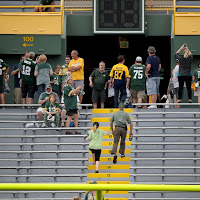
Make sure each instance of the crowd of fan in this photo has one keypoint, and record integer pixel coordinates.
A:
(66, 84)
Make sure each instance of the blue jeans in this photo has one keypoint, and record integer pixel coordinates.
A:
(152, 85)
(41, 89)
(116, 97)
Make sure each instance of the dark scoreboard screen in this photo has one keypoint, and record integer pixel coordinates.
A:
(118, 16)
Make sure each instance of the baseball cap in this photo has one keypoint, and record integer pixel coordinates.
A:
(151, 49)
(48, 86)
(121, 105)
(93, 182)
(139, 59)
(67, 78)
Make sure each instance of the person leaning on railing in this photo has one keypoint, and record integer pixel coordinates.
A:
(45, 9)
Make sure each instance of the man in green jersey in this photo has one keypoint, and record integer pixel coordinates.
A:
(121, 120)
(98, 81)
(45, 9)
(27, 68)
(137, 78)
(70, 100)
(2, 76)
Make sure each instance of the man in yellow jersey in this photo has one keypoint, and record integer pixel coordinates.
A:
(64, 68)
(118, 76)
(76, 67)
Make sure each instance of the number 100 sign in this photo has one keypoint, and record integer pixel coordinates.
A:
(118, 16)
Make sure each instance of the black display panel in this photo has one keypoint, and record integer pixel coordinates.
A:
(118, 16)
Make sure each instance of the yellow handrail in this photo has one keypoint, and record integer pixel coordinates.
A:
(62, 14)
(174, 14)
(98, 187)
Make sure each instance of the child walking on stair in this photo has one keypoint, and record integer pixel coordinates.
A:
(95, 138)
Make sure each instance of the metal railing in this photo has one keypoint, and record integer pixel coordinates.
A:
(98, 187)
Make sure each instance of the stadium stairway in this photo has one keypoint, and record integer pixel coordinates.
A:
(165, 150)
(110, 173)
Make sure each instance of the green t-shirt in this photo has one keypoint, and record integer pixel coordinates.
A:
(96, 138)
(137, 74)
(46, 2)
(51, 108)
(120, 118)
(69, 99)
(3, 67)
(43, 76)
(196, 74)
(56, 85)
(90, 196)
(99, 79)
(44, 95)
(27, 67)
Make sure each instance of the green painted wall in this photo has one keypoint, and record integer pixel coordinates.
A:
(82, 25)
(158, 25)
(40, 44)
(79, 25)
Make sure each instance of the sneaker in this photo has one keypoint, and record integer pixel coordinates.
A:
(152, 106)
(115, 159)
(43, 125)
(29, 125)
(53, 125)
(62, 124)
(37, 125)
(190, 101)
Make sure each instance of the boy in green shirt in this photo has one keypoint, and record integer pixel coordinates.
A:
(70, 100)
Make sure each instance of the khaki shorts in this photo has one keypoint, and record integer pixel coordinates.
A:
(42, 110)
(138, 94)
(77, 83)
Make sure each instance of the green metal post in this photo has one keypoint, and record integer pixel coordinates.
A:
(99, 195)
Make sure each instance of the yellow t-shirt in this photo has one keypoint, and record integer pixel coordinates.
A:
(77, 75)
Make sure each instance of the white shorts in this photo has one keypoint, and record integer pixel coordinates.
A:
(40, 109)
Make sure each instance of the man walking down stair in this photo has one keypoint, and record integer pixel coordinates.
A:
(121, 120)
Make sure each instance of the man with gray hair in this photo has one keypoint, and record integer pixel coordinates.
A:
(153, 67)
(98, 82)
(27, 68)
(76, 67)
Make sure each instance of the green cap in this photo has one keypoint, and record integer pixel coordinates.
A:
(121, 105)
(93, 182)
